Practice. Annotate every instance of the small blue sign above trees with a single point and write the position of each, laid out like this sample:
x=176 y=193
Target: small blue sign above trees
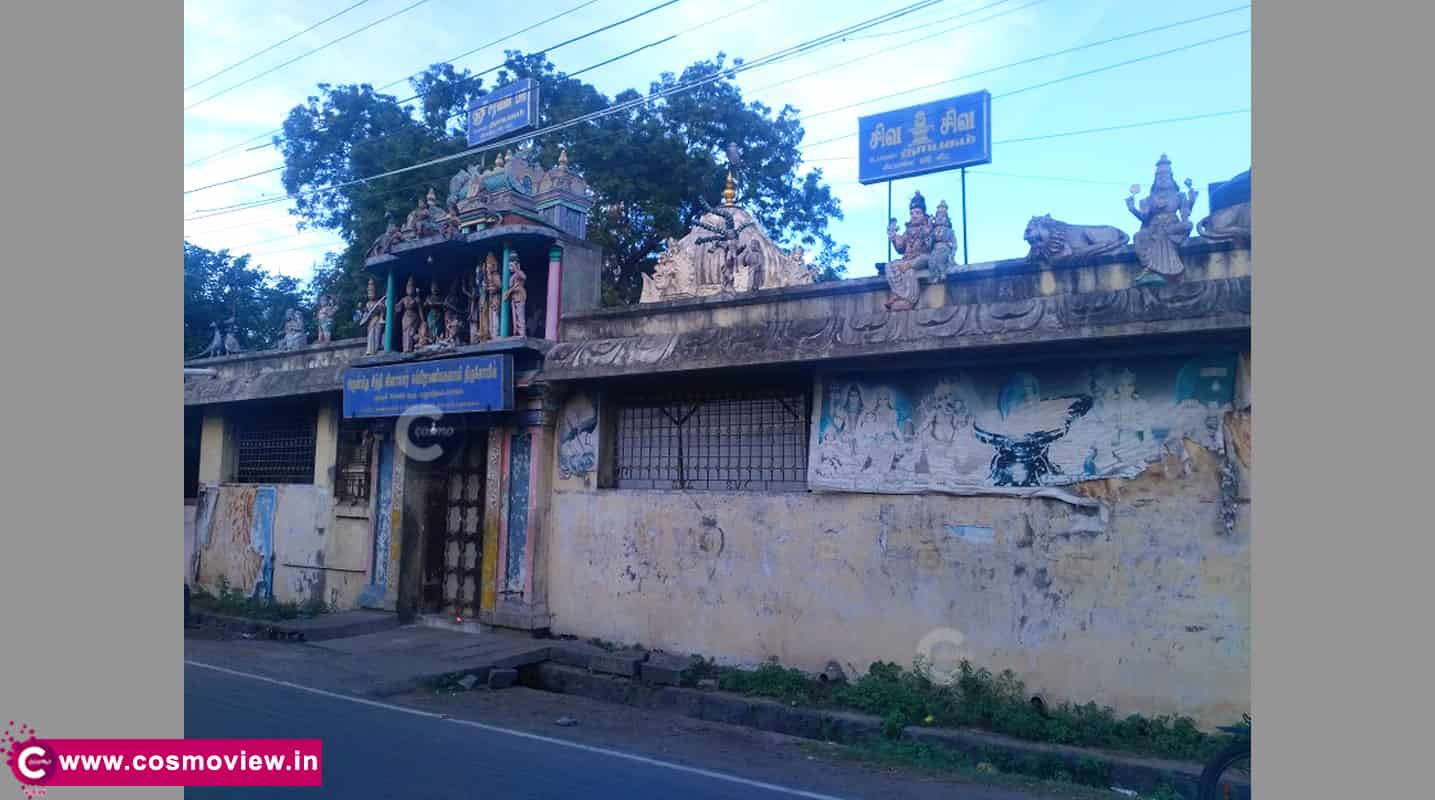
x=505 y=111
x=931 y=137
x=454 y=385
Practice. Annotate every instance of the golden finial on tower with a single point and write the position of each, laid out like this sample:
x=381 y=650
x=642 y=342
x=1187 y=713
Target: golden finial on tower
x=563 y=158
x=734 y=160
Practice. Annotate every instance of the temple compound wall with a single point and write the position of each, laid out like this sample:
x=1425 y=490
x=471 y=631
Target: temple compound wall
x=1041 y=464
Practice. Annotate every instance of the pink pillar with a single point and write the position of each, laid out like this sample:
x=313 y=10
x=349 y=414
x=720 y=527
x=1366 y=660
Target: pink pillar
x=555 y=286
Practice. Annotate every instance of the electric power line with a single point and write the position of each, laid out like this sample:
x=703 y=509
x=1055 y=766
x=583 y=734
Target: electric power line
x=886 y=50
x=284 y=41
x=621 y=107
x=499 y=40
x=304 y=55
x=241 y=207
x=849 y=62
x=1033 y=59
x=588 y=68
x=1084 y=132
x=923 y=26
x=1030 y=138
x=1043 y=84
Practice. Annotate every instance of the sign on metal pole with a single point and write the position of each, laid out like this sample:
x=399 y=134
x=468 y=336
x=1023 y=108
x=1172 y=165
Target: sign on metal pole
x=505 y=111
x=454 y=385
x=926 y=138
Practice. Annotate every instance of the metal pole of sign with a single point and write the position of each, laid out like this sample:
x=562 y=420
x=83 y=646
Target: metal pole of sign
x=889 y=216
x=966 y=243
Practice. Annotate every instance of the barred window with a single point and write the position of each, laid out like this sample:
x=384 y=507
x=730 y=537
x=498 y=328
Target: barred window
x=752 y=440
x=353 y=462
x=276 y=446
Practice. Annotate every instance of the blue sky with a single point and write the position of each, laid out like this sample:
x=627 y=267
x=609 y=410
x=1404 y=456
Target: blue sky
x=1081 y=179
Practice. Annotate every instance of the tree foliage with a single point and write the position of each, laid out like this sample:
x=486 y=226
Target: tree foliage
x=649 y=166
x=218 y=286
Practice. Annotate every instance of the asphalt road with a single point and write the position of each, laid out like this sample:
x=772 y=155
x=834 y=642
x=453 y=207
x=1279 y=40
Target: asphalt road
x=378 y=751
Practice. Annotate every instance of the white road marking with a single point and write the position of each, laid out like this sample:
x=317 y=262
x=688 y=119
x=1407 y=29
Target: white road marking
x=771 y=787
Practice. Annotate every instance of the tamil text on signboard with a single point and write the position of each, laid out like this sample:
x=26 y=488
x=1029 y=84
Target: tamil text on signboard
x=503 y=112
x=455 y=386
x=931 y=137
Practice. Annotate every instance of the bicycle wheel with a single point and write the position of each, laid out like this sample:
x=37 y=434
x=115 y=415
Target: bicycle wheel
x=1227 y=776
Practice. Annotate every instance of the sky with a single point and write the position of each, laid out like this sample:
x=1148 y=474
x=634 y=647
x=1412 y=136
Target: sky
x=1080 y=178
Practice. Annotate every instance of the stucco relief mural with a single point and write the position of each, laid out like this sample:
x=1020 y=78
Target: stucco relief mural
x=577 y=450
x=1026 y=431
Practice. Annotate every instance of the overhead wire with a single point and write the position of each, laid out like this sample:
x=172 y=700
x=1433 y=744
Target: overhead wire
x=1065 y=134
x=465 y=54
x=459 y=113
x=608 y=111
x=271 y=47
x=976 y=171
x=1040 y=85
x=306 y=54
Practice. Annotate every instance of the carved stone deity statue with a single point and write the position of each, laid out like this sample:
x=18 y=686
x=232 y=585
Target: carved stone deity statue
x=293 y=336
x=373 y=319
x=517 y=295
x=944 y=244
x=1165 y=217
x=324 y=318
x=452 y=327
x=492 y=295
x=915 y=247
x=433 y=313
x=386 y=241
x=409 y=310
x=231 y=337
x=428 y=219
x=477 y=321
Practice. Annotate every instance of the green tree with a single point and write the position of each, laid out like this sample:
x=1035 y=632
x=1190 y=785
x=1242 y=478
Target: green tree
x=218 y=286
x=649 y=166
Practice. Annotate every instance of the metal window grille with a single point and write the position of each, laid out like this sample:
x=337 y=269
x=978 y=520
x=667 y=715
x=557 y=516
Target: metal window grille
x=354 y=461
x=754 y=440
x=276 y=448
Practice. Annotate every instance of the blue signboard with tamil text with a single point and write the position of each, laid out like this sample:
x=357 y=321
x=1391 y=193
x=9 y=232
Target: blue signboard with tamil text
x=453 y=385
x=505 y=111
x=931 y=137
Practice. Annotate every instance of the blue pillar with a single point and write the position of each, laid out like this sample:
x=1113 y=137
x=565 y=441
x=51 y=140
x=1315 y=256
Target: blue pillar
x=389 y=314
x=505 y=323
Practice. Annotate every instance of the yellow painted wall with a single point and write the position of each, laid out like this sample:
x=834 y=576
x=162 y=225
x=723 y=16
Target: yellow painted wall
x=1143 y=605
x=212 y=445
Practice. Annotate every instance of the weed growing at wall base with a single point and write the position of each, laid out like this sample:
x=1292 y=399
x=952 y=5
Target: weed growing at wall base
x=232 y=602
x=976 y=699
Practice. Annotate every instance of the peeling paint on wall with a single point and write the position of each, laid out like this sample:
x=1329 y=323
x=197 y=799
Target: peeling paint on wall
x=261 y=539
x=1136 y=604
x=373 y=594
x=519 y=456
x=1023 y=433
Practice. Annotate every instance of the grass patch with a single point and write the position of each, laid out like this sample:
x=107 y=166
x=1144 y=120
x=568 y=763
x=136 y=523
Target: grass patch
x=1050 y=777
x=976 y=699
x=232 y=602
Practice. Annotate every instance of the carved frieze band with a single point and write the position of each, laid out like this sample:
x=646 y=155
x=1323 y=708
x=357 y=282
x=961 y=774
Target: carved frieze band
x=1033 y=318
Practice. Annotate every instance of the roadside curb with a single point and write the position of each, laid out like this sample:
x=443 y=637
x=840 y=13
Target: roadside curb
x=847 y=727
x=299 y=630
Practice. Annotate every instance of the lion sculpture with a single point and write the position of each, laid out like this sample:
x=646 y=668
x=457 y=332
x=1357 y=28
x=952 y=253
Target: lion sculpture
x=1056 y=243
